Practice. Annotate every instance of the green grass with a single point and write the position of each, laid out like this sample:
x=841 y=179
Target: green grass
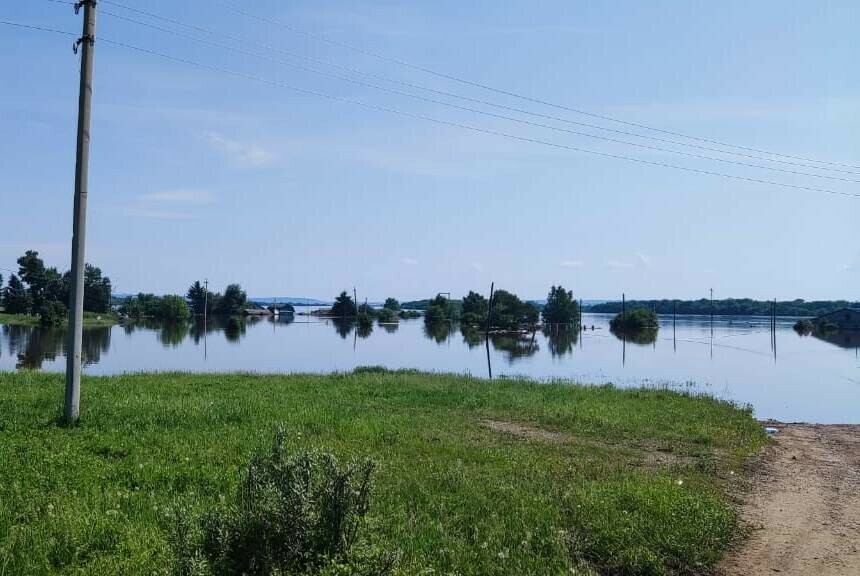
x=91 y=319
x=453 y=496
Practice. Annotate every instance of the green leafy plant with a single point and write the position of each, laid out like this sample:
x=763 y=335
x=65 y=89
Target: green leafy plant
x=294 y=513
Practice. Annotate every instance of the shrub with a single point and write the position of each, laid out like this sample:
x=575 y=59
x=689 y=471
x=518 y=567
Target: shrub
x=638 y=319
x=52 y=313
x=387 y=315
x=297 y=513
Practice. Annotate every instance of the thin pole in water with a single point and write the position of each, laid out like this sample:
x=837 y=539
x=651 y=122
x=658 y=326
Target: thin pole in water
x=487 y=329
x=71 y=409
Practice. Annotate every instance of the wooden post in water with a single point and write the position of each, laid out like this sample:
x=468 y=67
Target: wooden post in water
x=623 y=305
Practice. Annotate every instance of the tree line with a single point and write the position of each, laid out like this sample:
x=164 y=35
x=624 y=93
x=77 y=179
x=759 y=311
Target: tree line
x=727 y=307
x=506 y=312
x=198 y=300
x=41 y=291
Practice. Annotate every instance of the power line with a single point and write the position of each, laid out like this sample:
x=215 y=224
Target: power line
x=473 y=110
x=509 y=93
x=39 y=28
x=468 y=127
x=267 y=47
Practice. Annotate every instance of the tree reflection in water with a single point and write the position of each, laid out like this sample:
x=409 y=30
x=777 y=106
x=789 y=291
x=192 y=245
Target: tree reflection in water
x=515 y=345
x=438 y=331
x=643 y=337
x=33 y=345
x=343 y=326
x=562 y=338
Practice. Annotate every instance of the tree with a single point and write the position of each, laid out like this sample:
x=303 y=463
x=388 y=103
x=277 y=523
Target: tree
x=198 y=297
x=634 y=320
x=439 y=310
x=391 y=304
x=233 y=300
x=560 y=307
x=16 y=300
x=343 y=307
x=474 y=309
x=97 y=290
x=511 y=313
x=172 y=308
x=52 y=313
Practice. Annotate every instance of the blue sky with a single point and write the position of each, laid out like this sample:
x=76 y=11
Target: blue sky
x=197 y=173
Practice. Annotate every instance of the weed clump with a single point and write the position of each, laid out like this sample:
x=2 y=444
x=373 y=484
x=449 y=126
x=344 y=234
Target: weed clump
x=294 y=513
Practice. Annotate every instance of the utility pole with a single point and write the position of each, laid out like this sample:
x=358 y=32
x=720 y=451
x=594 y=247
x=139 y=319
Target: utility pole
x=72 y=406
x=205 y=302
x=712 y=311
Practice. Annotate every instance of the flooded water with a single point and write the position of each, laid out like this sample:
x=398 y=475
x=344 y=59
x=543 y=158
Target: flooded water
x=798 y=379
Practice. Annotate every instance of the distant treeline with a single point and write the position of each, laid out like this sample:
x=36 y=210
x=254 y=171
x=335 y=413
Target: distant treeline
x=728 y=307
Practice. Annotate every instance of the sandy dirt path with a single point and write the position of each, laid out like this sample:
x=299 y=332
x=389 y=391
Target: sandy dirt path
x=803 y=507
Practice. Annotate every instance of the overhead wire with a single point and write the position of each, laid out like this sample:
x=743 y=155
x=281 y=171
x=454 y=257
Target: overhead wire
x=431 y=119
x=413 y=85
x=509 y=93
x=473 y=110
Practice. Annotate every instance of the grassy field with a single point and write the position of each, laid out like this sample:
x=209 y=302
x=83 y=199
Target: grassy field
x=91 y=319
x=474 y=477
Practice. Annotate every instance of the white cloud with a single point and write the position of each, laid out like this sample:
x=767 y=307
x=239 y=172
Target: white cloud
x=159 y=214
x=618 y=265
x=245 y=153
x=409 y=261
x=644 y=259
x=571 y=264
x=179 y=195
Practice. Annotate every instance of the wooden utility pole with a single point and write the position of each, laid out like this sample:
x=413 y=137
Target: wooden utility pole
x=71 y=410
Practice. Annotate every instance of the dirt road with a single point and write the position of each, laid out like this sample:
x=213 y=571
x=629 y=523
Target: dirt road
x=803 y=508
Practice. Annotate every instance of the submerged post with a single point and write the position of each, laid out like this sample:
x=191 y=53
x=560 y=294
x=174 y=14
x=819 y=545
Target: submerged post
x=71 y=409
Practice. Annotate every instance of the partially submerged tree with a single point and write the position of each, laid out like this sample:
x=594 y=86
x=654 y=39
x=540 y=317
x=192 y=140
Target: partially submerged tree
x=560 y=307
x=474 y=309
x=511 y=313
x=344 y=307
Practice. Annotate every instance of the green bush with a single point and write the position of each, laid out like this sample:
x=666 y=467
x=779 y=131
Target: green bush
x=52 y=313
x=638 y=319
x=299 y=513
x=387 y=315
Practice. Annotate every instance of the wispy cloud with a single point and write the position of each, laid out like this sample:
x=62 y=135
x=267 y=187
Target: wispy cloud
x=159 y=214
x=476 y=266
x=248 y=153
x=409 y=261
x=179 y=196
x=644 y=259
x=618 y=265
x=571 y=264
x=170 y=203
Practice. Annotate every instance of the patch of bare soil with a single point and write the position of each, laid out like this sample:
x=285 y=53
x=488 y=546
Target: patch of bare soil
x=649 y=456
x=803 y=507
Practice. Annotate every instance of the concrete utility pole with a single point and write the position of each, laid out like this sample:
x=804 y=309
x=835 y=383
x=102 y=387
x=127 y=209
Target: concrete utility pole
x=76 y=300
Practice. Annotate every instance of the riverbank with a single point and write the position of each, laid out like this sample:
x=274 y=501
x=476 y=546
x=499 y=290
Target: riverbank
x=91 y=320
x=803 y=505
x=474 y=477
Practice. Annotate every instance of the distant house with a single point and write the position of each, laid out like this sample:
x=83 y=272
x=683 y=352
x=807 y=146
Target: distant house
x=844 y=318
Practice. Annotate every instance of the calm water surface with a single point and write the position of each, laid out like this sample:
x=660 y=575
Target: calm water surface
x=802 y=379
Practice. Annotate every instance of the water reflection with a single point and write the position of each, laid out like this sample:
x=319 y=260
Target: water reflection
x=35 y=345
x=642 y=337
x=561 y=338
x=438 y=331
x=515 y=345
